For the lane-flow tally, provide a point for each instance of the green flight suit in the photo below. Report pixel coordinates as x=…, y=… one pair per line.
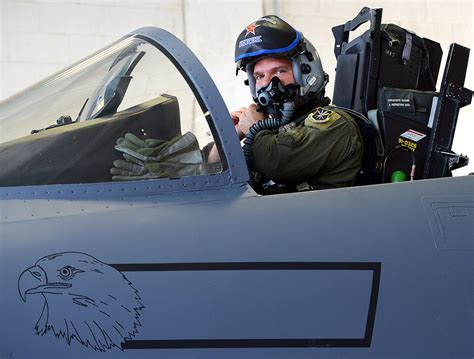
x=325, y=151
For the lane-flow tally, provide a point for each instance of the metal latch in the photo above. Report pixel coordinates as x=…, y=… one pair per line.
x=459, y=93
x=455, y=161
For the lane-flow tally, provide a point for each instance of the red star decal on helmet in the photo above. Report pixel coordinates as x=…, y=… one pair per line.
x=251, y=28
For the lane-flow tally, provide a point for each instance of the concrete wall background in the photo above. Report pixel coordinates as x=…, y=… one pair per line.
x=38, y=37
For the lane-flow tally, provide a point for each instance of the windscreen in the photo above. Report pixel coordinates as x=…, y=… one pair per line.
x=129, y=87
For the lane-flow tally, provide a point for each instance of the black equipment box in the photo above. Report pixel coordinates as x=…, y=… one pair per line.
x=406, y=119
x=384, y=56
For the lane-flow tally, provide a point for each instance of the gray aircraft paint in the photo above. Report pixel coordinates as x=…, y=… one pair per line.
x=216, y=265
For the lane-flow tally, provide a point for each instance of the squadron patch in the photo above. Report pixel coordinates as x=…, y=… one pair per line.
x=321, y=118
x=320, y=115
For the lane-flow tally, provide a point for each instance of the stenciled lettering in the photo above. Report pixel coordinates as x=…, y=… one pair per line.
x=250, y=41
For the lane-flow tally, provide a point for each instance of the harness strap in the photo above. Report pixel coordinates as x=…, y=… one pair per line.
x=407, y=48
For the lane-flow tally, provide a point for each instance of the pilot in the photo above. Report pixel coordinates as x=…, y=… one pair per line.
x=293, y=139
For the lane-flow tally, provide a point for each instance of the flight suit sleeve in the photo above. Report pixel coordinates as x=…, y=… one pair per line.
x=302, y=152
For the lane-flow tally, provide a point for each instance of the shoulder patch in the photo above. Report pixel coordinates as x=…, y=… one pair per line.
x=322, y=118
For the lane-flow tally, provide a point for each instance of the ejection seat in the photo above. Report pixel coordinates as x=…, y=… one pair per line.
x=389, y=74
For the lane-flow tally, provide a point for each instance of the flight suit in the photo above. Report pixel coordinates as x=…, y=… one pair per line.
x=325, y=151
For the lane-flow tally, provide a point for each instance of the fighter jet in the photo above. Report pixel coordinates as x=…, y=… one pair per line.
x=194, y=262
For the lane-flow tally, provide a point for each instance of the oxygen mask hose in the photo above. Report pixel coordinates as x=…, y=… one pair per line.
x=276, y=100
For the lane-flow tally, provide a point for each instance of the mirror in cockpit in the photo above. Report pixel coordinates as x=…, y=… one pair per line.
x=111, y=91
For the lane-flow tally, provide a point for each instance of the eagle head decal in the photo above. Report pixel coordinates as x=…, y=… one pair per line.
x=84, y=299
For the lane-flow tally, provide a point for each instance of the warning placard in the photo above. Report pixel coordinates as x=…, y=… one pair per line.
x=413, y=135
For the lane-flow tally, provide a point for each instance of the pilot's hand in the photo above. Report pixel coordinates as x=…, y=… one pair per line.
x=235, y=116
x=249, y=117
x=213, y=156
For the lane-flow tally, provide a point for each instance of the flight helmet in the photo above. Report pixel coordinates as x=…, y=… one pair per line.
x=270, y=36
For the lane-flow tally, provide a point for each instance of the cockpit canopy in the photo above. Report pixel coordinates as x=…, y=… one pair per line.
x=64, y=129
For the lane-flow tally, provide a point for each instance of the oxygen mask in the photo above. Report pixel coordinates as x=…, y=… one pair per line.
x=275, y=97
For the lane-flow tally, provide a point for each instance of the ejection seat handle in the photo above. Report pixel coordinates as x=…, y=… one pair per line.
x=374, y=16
x=341, y=32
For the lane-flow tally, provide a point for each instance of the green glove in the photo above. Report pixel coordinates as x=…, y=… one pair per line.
x=188, y=164
x=130, y=167
x=151, y=159
x=156, y=150
x=138, y=148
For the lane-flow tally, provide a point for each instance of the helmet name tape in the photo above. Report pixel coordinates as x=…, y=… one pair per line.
x=269, y=51
x=250, y=40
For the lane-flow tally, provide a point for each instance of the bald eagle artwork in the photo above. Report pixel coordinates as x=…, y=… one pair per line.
x=84, y=299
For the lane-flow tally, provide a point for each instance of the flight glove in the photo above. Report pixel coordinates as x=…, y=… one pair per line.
x=150, y=158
